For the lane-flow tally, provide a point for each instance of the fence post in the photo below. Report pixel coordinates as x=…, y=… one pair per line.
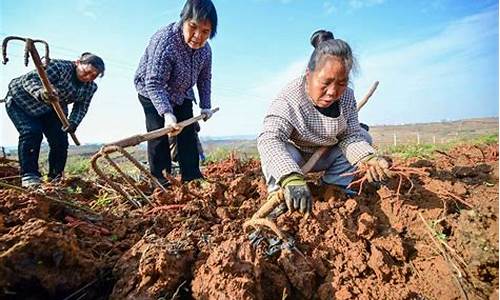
x=418, y=138
x=395, y=139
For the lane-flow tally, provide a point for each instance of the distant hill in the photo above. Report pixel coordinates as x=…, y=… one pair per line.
x=436, y=132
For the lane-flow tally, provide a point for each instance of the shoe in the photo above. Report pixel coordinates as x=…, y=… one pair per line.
x=163, y=181
x=30, y=181
x=56, y=179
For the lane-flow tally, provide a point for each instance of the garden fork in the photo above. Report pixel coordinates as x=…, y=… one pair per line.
x=119, y=147
x=30, y=49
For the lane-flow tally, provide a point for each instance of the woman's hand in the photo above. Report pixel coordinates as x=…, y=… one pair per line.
x=171, y=122
x=207, y=112
x=377, y=168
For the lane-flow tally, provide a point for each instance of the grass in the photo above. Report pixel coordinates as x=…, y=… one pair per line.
x=77, y=165
x=427, y=150
x=223, y=152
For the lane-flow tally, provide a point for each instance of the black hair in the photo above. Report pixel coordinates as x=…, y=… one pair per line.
x=332, y=47
x=93, y=60
x=200, y=10
x=319, y=36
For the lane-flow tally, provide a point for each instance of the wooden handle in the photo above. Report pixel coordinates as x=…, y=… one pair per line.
x=48, y=87
x=367, y=96
x=139, y=138
x=309, y=165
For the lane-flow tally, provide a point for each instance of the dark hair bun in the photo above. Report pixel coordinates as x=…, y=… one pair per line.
x=319, y=36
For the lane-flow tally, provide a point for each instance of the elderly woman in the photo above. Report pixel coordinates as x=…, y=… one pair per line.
x=316, y=109
x=177, y=57
x=29, y=109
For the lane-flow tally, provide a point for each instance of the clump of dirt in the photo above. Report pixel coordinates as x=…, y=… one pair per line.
x=152, y=267
x=436, y=239
x=42, y=254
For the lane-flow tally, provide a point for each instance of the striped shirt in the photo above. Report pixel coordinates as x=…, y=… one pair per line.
x=292, y=118
x=26, y=91
x=169, y=69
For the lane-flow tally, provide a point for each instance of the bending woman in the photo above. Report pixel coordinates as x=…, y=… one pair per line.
x=314, y=110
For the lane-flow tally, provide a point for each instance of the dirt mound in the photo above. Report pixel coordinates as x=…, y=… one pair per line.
x=435, y=239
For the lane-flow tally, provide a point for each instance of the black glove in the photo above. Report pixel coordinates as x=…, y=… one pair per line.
x=297, y=194
x=70, y=129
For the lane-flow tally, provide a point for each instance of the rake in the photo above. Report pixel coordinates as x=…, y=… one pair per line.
x=119, y=147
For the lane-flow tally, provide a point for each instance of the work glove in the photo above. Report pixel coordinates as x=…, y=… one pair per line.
x=207, y=112
x=171, y=122
x=70, y=129
x=297, y=194
x=378, y=168
x=48, y=98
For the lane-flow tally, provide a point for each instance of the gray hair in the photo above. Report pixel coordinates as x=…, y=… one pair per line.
x=332, y=47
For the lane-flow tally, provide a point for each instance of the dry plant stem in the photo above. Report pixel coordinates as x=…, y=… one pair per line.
x=22, y=190
x=445, y=256
x=455, y=197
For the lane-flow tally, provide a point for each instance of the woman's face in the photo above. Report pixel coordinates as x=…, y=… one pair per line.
x=86, y=72
x=196, y=33
x=328, y=82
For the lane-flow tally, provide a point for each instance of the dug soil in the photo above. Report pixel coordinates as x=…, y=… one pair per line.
x=437, y=238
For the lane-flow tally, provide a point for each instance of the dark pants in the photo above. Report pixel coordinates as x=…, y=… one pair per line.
x=31, y=130
x=159, y=150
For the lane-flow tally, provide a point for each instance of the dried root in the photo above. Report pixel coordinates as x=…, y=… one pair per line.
x=401, y=172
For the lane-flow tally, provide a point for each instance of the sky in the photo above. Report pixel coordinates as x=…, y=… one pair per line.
x=435, y=59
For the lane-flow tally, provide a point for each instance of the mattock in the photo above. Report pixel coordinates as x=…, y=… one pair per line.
x=119, y=147
x=259, y=218
x=30, y=49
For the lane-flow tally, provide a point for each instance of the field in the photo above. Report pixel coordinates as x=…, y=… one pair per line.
x=430, y=235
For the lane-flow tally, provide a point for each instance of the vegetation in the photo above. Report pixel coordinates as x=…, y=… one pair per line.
x=427, y=150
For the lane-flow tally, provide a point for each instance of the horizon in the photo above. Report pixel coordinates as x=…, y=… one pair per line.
x=249, y=137
x=427, y=70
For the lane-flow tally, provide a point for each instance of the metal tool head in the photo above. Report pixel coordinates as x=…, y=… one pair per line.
x=29, y=44
x=105, y=153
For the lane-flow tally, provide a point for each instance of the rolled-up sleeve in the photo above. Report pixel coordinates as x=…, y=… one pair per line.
x=352, y=142
x=272, y=141
x=204, y=82
x=158, y=72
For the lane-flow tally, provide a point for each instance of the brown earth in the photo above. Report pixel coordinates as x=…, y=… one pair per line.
x=438, y=240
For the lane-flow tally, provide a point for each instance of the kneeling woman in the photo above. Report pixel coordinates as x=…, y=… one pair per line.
x=29, y=109
x=316, y=109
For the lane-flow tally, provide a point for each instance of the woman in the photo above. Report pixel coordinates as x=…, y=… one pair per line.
x=177, y=57
x=317, y=109
x=324, y=35
x=28, y=106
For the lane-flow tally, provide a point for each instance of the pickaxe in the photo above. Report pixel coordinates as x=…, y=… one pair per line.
x=30, y=49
